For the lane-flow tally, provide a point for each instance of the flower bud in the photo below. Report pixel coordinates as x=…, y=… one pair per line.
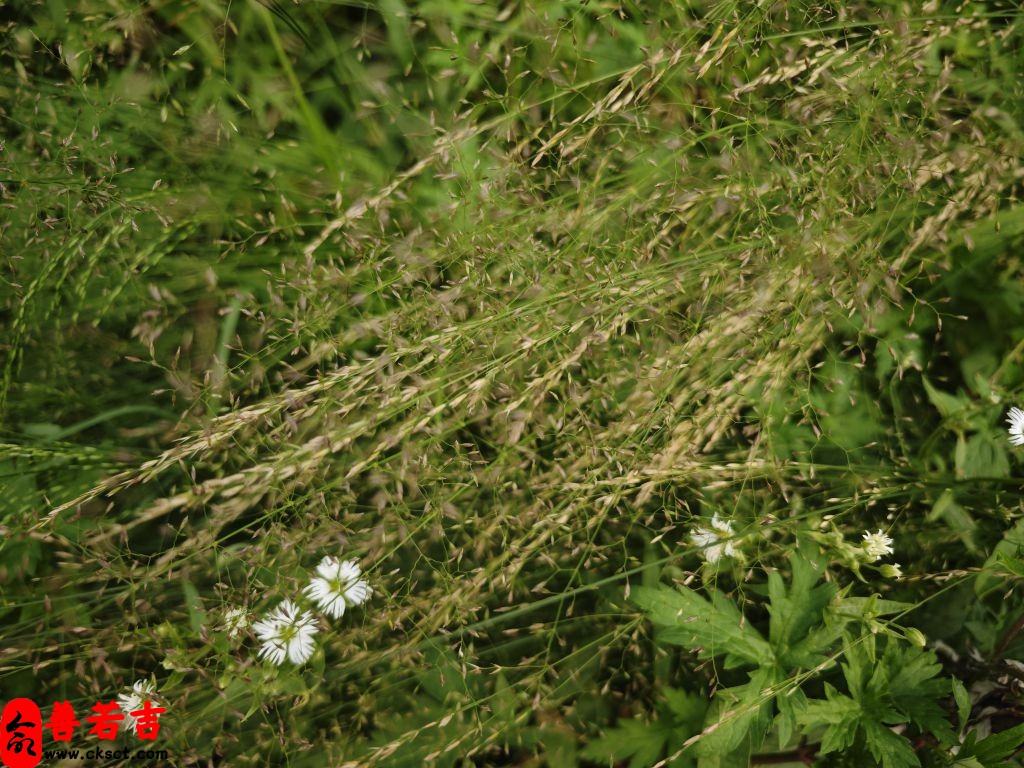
x=891, y=571
x=916, y=637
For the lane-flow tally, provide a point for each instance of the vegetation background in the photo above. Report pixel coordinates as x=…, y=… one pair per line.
x=504, y=300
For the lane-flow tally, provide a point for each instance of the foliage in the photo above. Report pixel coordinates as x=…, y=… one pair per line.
x=510, y=302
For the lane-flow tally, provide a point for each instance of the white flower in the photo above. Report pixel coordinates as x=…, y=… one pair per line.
x=723, y=527
x=338, y=585
x=876, y=545
x=236, y=621
x=132, y=701
x=1016, y=421
x=710, y=540
x=287, y=632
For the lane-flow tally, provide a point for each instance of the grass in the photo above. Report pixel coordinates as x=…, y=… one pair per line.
x=502, y=301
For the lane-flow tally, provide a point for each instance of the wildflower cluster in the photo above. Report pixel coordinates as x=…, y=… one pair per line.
x=872, y=548
x=287, y=631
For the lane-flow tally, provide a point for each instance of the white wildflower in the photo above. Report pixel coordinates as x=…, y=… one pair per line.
x=236, y=621
x=338, y=585
x=710, y=540
x=1016, y=421
x=287, y=632
x=132, y=701
x=876, y=545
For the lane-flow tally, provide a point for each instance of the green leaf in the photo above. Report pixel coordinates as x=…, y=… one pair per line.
x=887, y=748
x=796, y=612
x=738, y=719
x=789, y=704
x=645, y=743
x=867, y=608
x=914, y=688
x=194, y=604
x=901, y=686
x=998, y=746
x=946, y=404
x=1005, y=558
x=736, y=759
x=559, y=745
x=838, y=713
x=715, y=628
x=981, y=456
x=639, y=742
x=963, y=703
x=685, y=709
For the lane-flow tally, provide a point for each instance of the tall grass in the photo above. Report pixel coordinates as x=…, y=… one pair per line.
x=497, y=299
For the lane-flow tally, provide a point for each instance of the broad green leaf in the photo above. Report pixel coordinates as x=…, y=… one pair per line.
x=639, y=742
x=736, y=759
x=946, y=404
x=1005, y=558
x=914, y=688
x=963, y=703
x=646, y=743
x=796, y=614
x=560, y=750
x=686, y=709
x=998, y=746
x=715, y=628
x=864, y=608
x=901, y=686
x=981, y=456
x=789, y=704
x=838, y=713
x=738, y=720
x=887, y=748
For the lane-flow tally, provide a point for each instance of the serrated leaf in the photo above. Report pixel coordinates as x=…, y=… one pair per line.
x=788, y=704
x=1006, y=551
x=967, y=762
x=738, y=718
x=796, y=614
x=887, y=748
x=559, y=745
x=685, y=709
x=639, y=742
x=736, y=759
x=838, y=713
x=715, y=628
x=963, y=703
x=645, y=743
x=863, y=608
x=914, y=688
x=981, y=456
x=946, y=404
x=998, y=746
